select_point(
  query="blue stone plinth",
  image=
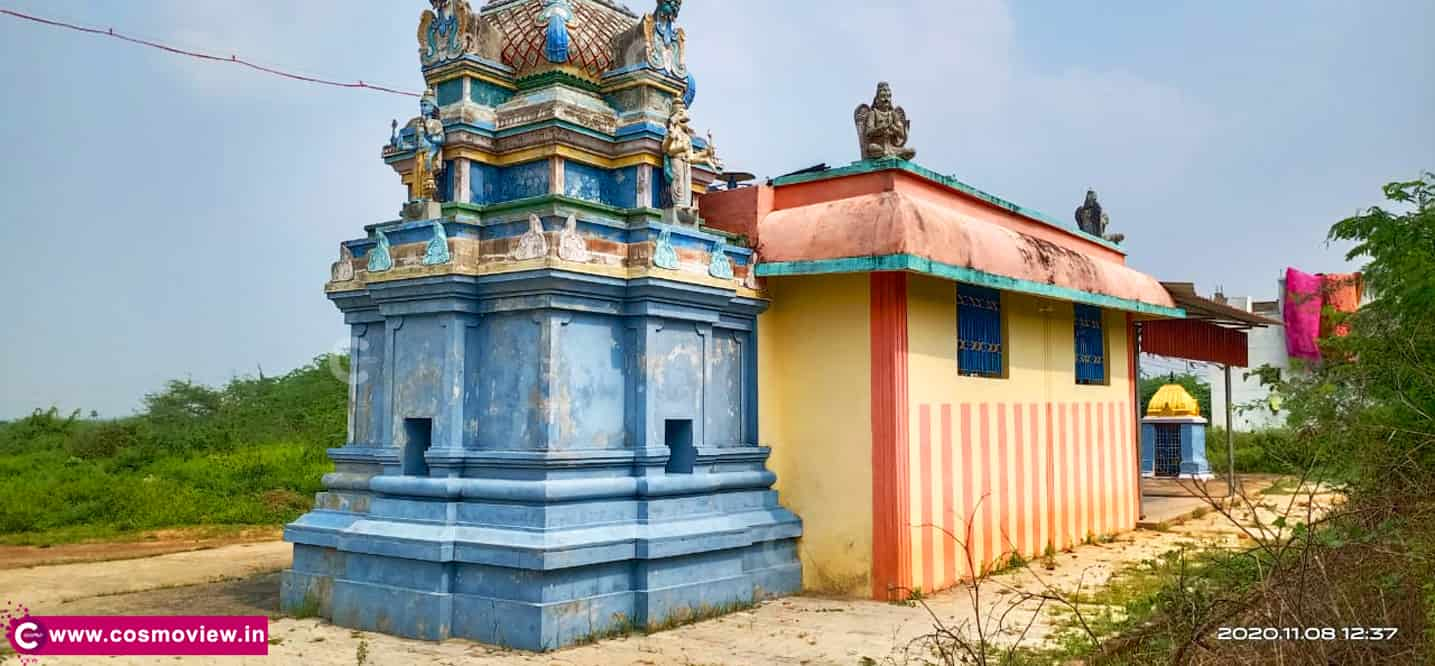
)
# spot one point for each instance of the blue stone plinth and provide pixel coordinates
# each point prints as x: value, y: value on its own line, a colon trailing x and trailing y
x: 540, y: 457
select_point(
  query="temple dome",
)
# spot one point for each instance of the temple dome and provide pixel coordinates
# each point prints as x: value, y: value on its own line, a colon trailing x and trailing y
x: 1173, y: 400
x: 591, y: 31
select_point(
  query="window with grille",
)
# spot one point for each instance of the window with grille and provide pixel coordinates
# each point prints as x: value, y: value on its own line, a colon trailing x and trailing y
x: 979, y: 331
x: 1090, y: 346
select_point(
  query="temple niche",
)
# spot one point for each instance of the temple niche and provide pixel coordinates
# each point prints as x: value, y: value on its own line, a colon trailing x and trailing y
x: 553, y: 413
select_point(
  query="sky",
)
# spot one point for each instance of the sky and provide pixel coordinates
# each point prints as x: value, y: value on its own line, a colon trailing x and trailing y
x: 167, y: 218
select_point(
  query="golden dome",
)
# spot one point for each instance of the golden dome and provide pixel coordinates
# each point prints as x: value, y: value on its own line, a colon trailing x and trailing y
x: 1173, y: 400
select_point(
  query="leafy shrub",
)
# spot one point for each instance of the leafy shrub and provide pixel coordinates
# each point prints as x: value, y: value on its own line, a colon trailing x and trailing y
x: 251, y: 452
x: 104, y: 440
x: 1272, y: 450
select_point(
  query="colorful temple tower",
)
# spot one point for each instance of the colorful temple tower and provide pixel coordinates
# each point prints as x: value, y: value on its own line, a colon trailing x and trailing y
x: 553, y: 396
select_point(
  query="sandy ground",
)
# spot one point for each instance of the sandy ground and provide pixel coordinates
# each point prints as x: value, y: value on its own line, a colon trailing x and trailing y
x: 46, y: 589
x: 242, y: 579
x: 155, y: 542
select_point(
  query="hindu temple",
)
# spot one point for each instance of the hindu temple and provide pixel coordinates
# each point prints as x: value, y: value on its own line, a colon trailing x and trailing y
x: 591, y: 390
x: 553, y: 419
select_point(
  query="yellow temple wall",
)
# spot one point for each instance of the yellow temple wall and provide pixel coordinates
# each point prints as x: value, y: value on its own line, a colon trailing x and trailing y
x: 814, y: 379
x: 993, y: 453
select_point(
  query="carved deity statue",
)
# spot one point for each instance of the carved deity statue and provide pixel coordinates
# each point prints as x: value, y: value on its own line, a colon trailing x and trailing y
x: 343, y: 269
x: 380, y: 257
x: 445, y: 31
x: 571, y: 245
x: 1091, y: 219
x: 532, y: 244
x: 667, y: 43
x: 882, y: 127
x: 436, y: 252
x: 427, y: 142
x: 679, y: 156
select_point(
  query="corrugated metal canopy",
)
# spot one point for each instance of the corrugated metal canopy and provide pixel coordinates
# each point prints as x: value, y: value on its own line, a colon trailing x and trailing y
x: 1215, y: 312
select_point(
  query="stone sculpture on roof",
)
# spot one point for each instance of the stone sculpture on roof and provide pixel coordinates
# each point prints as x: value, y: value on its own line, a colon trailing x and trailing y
x: 882, y: 127
x: 1091, y: 219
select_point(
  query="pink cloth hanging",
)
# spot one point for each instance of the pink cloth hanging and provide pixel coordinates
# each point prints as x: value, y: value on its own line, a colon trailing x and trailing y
x: 1302, y: 313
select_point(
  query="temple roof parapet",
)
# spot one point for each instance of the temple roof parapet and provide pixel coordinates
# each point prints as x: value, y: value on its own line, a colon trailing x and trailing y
x: 889, y: 214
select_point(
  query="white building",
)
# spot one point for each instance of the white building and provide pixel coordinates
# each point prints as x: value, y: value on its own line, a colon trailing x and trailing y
x: 1266, y: 346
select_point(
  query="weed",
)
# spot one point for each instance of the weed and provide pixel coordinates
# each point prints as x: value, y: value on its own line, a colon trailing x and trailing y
x: 361, y: 653
x: 306, y: 609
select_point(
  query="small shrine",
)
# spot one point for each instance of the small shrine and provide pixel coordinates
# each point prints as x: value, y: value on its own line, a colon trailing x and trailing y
x: 553, y: 398
x: 1173, y: 436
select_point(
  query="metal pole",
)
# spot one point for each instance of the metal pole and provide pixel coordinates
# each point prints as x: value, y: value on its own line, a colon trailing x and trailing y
x: 1230, y: 440
x: 1140, y: 478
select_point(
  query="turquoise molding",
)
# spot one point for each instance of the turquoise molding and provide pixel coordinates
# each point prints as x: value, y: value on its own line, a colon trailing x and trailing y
x: 894, y: 164
x: 528, y: 202
x: 916, y: 264
x: 486, y: 130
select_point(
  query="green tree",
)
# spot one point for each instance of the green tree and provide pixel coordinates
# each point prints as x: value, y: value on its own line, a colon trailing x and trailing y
x: 1378, y: 382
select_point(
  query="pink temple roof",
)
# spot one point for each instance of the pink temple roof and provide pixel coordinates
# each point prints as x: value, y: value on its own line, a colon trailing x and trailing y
x: 899, y: 218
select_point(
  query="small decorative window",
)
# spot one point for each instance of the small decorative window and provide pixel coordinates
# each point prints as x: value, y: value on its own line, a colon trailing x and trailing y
x: 1090, y: 346
x: 979, y: 331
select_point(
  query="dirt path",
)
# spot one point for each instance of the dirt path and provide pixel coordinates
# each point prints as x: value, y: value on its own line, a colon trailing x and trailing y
x: 148, y: 544
x: 45, y: 588
x: 795, y: 630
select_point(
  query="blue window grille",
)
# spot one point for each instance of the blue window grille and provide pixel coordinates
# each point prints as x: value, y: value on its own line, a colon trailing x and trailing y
x: 1090, y: 346
x: 979, y: 331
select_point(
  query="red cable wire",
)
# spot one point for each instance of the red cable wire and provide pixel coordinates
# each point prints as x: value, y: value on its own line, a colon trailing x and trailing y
x: 203, y: 56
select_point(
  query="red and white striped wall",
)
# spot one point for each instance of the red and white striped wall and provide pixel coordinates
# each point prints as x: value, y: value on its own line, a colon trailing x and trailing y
x: 990, y: 479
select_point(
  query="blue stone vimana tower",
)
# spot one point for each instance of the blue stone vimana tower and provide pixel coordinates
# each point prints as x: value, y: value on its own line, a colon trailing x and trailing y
x: 553, y: 395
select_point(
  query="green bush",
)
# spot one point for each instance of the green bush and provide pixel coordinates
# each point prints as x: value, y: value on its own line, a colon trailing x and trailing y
x: 249, y: 453
x: 104, y: 440
x: 1273, y: 450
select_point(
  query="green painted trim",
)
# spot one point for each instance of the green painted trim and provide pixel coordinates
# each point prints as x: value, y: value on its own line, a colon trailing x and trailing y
x: 908, y: 262
x: 892, y: 163
x: 542, y: 199
x: 553, y: 77
x: 535, y: 201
